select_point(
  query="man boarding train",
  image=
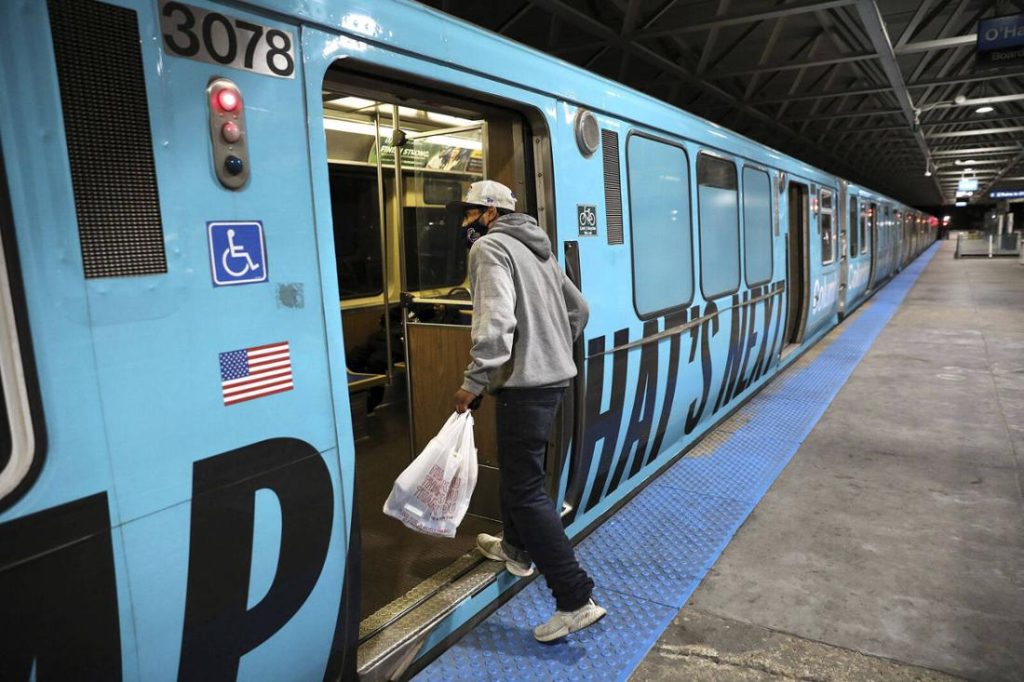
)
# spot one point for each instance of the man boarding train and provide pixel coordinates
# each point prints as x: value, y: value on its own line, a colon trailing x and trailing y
x: 526, y: 315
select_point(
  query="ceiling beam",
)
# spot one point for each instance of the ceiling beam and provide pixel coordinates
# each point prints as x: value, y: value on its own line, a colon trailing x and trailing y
x: 915, y: 21
x: 773, y: 37
x: 709, y: 45
x: 871, y: 18
x: 585, y: 22
x: 854, y: 92
x: 976, y: 151
x: 974, y: 133
x: 850, y: 114
x: 516, y: 16
x: 965, y: 78
x: 938, y: 44
x: 743, y: 18
x: 1009, y: 166
x: 791, y: 66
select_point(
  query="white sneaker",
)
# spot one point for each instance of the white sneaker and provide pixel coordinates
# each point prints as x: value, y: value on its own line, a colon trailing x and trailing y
x: 566, y: 622
x: 490, y: 546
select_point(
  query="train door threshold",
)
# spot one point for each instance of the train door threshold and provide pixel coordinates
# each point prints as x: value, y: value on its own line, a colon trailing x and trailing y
x: 391, y: 638
x: 789, y: 349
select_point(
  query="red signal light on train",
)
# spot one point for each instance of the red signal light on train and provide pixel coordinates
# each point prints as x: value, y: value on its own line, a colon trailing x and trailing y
x: 228, y: 100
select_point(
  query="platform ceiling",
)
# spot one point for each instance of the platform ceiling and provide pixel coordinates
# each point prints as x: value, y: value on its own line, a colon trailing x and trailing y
x: 839, y: 83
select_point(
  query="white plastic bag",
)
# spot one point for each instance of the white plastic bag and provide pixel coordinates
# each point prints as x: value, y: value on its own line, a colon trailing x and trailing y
x: 432, y: 495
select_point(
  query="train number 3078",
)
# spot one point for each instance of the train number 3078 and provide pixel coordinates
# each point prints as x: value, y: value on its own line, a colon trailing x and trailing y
x: 214, y: 38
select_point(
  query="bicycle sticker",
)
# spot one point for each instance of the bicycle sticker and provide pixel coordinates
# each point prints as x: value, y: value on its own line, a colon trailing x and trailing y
x: 586, y: 219
x: 238, y: 254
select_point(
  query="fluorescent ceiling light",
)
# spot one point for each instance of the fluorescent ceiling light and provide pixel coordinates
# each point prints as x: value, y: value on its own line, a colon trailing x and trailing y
x: 450, y: 120
x: 353, y: 127
x: 454, y: 142
x: 351, y: 102
x: 984, y: 110
x: 960, y: 203
x: 342, y: 126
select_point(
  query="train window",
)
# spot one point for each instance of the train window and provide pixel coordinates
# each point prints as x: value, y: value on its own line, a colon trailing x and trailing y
x: 827, y: 228
x: 718, y: 203
x: 852, y: 226
x: 439, y: 155
x: 757, y: 226
x: 867, y: 226
x: 356, y: 214
x: 659, y: 211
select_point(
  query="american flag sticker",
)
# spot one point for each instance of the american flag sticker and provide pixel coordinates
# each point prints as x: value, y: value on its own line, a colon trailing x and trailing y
x: 255, y: 372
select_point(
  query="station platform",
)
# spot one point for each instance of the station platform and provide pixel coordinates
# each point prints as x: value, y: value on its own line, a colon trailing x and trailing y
x: 860, y: 518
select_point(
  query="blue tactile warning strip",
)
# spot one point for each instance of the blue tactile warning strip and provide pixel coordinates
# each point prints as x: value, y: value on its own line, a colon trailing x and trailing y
x: 649, y: 557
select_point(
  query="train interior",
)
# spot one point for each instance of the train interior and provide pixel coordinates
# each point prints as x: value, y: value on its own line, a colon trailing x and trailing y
x: 396, y: 158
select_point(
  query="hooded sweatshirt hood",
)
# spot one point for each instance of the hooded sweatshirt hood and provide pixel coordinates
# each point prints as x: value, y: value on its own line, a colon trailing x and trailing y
x: 525, y: 229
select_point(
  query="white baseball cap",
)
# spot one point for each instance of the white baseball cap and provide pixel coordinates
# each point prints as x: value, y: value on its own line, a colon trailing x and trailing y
x: 485, y: 193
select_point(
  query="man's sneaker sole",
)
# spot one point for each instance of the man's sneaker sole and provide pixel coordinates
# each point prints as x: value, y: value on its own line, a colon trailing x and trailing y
x: 584, y: 620
x: 510, y: 566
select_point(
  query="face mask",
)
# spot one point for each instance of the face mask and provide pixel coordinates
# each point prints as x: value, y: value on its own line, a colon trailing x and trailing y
x: 474, y: 231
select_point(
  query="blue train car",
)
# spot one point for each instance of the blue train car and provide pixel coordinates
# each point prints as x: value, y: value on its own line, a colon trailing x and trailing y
x: 234, y: 306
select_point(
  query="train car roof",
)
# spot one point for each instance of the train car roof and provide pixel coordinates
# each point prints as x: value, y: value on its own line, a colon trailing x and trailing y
x: 422, y: 30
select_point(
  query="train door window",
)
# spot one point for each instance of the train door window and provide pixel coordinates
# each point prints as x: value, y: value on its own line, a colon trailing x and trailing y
x: 357, y: 228
x: 797, y: 258
x: 659, y: 210
x: 864, y: 211
x: 440, y: 155
x: 854, y: 226
x: 718, y: 203
x: 757, y: 226
x: 827, y: 227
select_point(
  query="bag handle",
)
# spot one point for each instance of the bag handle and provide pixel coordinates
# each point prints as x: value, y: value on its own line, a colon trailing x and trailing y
x: 466, y: 430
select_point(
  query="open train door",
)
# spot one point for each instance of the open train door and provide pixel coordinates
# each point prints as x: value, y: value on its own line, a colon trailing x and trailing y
x: 798, y: 197
x: 394, y: 143
x: 873, y: 237
x: 844, y: 240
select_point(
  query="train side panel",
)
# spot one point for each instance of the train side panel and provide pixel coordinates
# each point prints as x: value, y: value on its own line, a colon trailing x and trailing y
x: 220, y: 526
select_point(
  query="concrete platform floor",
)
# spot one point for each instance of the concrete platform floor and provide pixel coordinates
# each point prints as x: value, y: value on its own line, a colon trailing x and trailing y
x: 892, y: 546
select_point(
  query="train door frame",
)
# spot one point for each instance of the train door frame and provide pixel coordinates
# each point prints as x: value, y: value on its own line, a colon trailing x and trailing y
x: 797, y: 269
x: 390, y: 83
x: 20, y: 403
x: 872, y: 232
x: 901, y: 221
x: 844, y: 239
x: 364, y: 78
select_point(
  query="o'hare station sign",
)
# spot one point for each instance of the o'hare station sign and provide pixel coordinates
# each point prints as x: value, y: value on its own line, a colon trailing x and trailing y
x: 1001, y: 40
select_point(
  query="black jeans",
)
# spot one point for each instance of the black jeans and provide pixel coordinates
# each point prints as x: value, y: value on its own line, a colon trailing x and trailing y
x: 533, y: 528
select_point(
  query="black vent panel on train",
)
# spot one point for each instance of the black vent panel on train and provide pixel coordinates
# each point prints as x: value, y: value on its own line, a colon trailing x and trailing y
x: 106, y: 121
x: 612, y: 186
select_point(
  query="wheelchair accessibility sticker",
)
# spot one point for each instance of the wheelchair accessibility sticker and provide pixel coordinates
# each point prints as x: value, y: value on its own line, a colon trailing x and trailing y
x: 238, y: 254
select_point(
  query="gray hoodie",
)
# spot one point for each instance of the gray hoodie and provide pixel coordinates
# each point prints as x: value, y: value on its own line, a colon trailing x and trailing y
x: 526, y: 312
